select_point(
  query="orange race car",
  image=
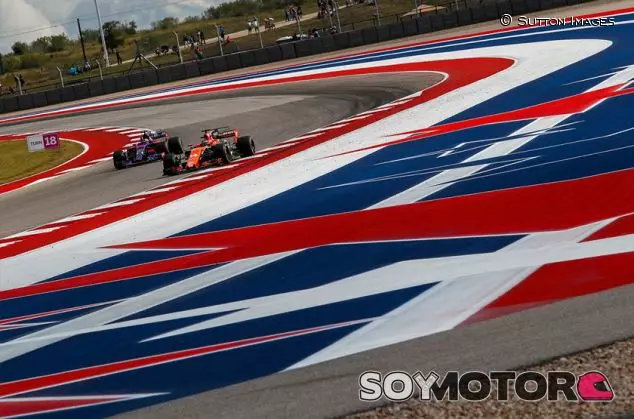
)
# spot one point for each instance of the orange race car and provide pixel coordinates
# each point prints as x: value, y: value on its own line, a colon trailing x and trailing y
x: 219, y: 146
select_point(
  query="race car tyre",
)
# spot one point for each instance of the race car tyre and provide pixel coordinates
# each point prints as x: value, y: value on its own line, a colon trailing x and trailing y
x: 175, y: 145
x: 118, y: 158
x: 246, y: 146
x: 222, y: 151
x: 161, y: 148
x: 171, y: 162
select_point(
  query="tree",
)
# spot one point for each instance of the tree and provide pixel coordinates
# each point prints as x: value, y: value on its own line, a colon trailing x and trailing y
x: 11, y: 63
x: 91, y: 35
x: 20, y: 48
x: 58, y: 43
x: 131, y: 28
x: 113, y: 32
x: 41, y: 44
x: 165, y: 23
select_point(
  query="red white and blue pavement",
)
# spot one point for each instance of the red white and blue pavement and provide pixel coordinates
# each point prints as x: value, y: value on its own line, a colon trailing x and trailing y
x: 504, y: 187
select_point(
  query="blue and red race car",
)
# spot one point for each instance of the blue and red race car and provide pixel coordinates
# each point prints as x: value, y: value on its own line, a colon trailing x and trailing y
x: 153, y: 146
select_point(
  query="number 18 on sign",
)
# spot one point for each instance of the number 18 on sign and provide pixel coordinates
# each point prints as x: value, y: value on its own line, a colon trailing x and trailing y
x: 51, y: 140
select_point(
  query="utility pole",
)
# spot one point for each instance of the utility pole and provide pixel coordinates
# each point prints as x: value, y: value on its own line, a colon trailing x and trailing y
x: 103, y: 37
x: 81, y: 38
x: 378, y: 16
x: 337, y: 15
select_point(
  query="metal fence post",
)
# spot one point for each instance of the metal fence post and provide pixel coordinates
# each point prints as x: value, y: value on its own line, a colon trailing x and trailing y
x: 61, y: 77
x: 178, y: 46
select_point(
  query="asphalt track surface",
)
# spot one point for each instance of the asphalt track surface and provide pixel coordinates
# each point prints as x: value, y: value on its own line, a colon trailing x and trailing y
x: 269, y: 114
x: 328, y: 389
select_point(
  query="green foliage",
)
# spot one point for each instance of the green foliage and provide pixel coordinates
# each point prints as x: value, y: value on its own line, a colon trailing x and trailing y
x: 91, y: 35
x: 130, y: 28
x: 165, y: 23
x: 50, y: 44
x: 32, y: 60
x: 114, y: 33
x: 58, y: 43
x: 20, y: 48
x: 41, y: 44
x: 11, y: 63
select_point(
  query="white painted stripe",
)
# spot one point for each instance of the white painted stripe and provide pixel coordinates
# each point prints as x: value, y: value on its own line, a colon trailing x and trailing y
x: 119, y: 204
x: 255, y: 156
x: 472, y: 269
x: 135, y: 135
x: 155, y: 191
x: 35, y: 182
x: 355, y: 118
x: 442, y: 180
x: 5, y: 244
x: 118, y: 129
x: 187, y: 179
x: 132, y: 131
x: 34, y: 232
x: 215, y: 169
x: 100, y: 160
x: 98, y: 129
x: 75, y: 169
x: 131, y: 306
x: 329, y: 127
x: 303, y: 137
x: 457, y: 298
x: 277, y: 147
x: 78, y: 217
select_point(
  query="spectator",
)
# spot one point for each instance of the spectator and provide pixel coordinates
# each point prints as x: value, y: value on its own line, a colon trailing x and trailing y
x: 202, y: 38
x: 249, y: 26
x: 222, y: 32
x: 287, y: 16
x: 299, y: 12
x: 119, y: 60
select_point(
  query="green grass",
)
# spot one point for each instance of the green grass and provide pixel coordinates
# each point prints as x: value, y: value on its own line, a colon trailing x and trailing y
x: 354, y: 17
x: 16, y: 162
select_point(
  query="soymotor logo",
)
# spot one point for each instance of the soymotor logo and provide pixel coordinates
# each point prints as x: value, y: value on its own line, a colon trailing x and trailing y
x: 477, y: 386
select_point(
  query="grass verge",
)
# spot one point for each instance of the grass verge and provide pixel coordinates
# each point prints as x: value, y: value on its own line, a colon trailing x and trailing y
x: 16, y: 162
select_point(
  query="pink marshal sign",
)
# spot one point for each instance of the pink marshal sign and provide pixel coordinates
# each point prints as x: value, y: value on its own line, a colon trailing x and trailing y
x: 51, y: 140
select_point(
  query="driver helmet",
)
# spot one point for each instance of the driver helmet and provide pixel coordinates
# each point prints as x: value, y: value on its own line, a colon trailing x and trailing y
x: 146, y: 135
x: 207, y: 137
